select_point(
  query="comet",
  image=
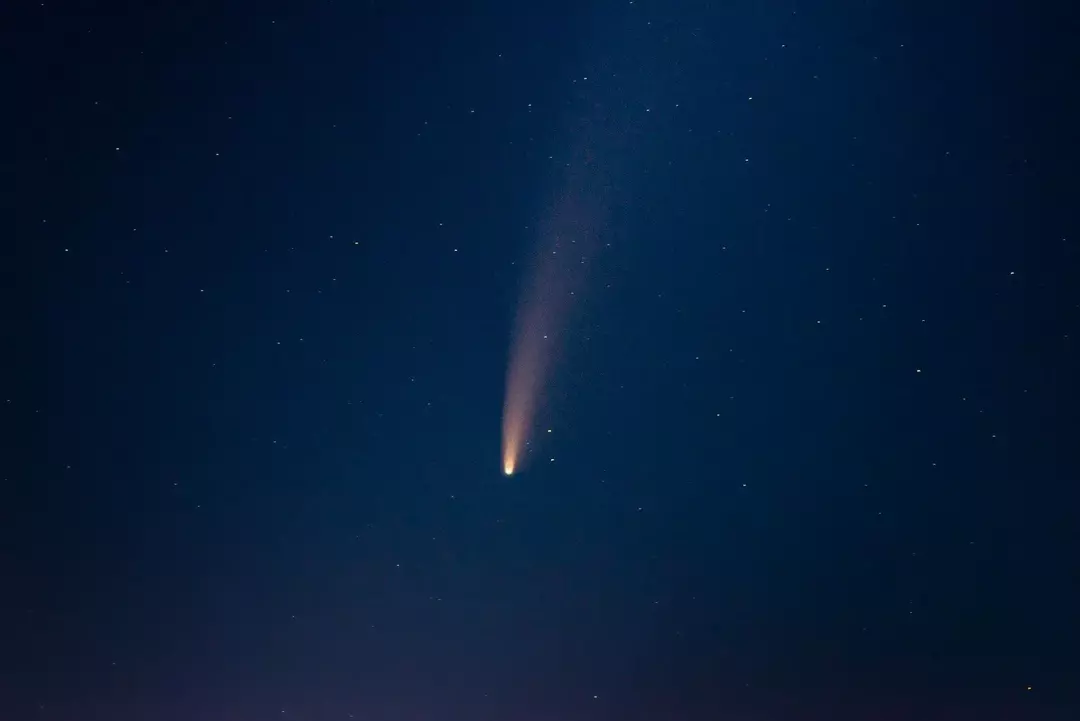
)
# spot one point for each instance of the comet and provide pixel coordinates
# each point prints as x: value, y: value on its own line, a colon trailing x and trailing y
x: 555, y: 278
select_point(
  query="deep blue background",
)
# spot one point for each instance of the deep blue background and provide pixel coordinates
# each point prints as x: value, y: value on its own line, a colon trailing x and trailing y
x: 814, y: 430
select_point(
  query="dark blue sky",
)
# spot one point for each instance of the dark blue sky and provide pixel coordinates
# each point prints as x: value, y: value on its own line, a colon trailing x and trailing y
x: 811, y: 428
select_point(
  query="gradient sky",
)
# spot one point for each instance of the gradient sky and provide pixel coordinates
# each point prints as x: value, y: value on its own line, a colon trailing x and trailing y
x: 812, y: 423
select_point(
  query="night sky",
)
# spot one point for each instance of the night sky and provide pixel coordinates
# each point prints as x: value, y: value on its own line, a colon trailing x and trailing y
x: 794, y: 286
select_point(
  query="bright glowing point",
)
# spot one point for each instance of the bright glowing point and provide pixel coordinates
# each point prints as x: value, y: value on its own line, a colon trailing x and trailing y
x: 508, y: 468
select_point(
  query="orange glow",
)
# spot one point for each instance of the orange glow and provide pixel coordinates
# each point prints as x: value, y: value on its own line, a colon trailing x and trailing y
x: 530, y: 358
